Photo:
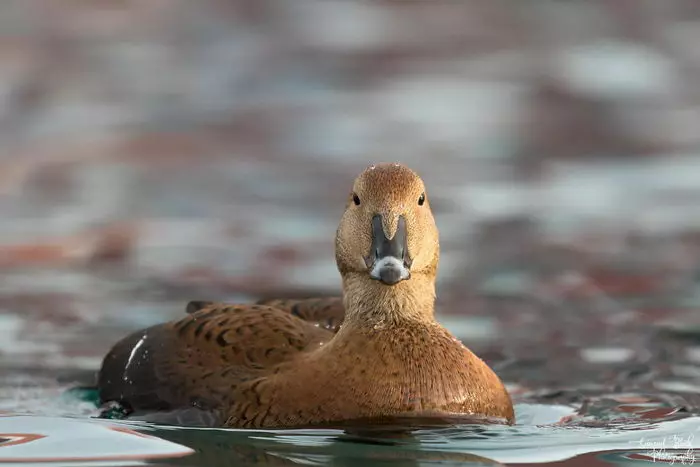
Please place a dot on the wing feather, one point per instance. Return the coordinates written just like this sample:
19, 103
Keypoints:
197, 361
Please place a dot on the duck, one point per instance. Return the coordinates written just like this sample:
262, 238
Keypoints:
375, 353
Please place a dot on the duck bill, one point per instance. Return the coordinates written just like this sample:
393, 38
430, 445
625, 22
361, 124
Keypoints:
388, 260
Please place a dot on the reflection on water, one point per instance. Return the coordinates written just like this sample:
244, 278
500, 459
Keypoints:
607, 430
454, 445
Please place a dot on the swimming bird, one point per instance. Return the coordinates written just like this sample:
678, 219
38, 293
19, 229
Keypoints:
377, 352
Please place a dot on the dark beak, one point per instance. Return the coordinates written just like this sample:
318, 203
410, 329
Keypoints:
388, 260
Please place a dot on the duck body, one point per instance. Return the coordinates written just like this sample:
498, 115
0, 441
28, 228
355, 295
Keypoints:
203, 359
373, 376
375, 353
258, 366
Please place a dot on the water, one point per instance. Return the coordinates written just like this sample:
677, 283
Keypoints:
544, 434
623, 393
574, 274
597, 339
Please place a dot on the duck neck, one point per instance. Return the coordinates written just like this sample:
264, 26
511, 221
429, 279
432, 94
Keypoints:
369, 303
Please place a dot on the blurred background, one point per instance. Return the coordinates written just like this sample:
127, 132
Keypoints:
153, 152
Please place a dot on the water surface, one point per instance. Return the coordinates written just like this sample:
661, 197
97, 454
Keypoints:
581, 399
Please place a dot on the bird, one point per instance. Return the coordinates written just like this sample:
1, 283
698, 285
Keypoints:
375, 353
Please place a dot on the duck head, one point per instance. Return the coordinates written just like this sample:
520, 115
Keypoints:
387, 231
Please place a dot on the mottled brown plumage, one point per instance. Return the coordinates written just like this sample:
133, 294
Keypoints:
378, 352
327, 312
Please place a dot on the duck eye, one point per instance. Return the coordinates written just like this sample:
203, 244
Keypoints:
421, 200
355, 199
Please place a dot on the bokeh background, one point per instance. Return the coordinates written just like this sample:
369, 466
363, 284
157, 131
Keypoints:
158, 151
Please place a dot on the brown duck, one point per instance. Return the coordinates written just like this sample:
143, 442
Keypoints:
376, 353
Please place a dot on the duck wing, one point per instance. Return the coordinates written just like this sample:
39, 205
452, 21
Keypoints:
327, 312
197, 361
